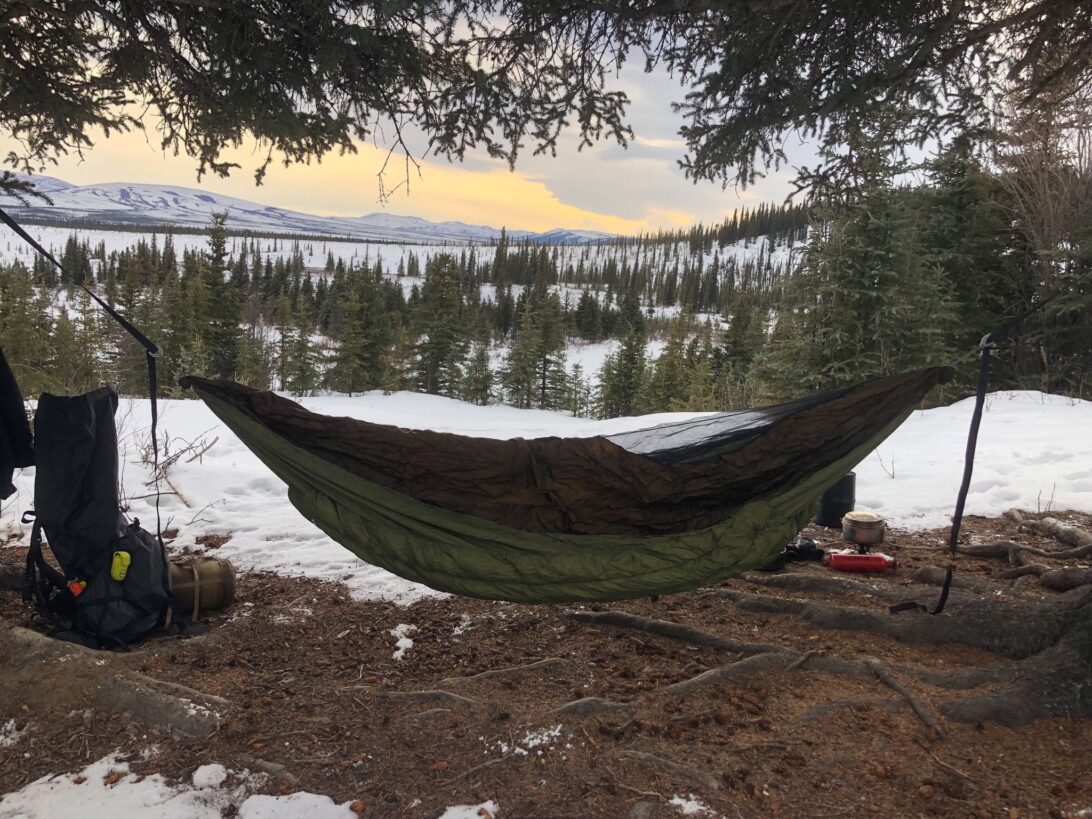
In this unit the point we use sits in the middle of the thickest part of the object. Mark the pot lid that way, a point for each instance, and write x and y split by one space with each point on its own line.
863 517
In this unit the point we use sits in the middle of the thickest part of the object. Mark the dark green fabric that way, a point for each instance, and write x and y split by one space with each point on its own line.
466 555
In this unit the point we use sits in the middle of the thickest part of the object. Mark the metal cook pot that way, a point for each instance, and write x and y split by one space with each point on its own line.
863 528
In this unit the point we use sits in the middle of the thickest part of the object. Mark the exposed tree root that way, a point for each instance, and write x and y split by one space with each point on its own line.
105 679
1053 640
541 665
1050 642
1032 569
885 676
443 699
1066 579
674 631
1050 577
826 708
964 680
768 658
1073 536
787 660
1009 628
821 584
592 707
701 778
1002 548
1079 541
935 576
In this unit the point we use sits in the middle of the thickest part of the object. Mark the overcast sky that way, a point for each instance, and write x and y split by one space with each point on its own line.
604 187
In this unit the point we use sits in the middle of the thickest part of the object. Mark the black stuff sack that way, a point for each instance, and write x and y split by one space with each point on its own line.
16 444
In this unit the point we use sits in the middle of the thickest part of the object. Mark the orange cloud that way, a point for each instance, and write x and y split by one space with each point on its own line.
348 186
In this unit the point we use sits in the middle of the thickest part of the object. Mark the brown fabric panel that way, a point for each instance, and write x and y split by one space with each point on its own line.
585 485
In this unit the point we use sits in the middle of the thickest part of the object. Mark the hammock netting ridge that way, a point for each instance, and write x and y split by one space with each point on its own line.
653 511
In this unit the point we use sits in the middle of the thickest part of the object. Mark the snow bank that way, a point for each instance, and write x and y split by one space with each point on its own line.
1035 452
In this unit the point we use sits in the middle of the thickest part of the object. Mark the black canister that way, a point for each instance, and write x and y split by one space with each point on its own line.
837 501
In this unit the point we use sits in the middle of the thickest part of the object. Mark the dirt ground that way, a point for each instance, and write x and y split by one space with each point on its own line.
307 673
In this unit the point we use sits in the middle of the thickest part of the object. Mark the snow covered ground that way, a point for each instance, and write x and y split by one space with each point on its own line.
106 789
1035 452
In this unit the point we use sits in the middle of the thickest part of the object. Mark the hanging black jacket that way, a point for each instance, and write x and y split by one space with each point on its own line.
16 444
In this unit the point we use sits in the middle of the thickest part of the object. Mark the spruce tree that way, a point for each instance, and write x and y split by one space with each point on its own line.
443 345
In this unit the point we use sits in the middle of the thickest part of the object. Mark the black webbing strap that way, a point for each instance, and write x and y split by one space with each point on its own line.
984 347
964 486
41 582
151 351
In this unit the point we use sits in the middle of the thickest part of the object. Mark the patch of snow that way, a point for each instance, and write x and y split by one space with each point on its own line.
88 794
690 805
209 776
464 623
9 734
403 642
536 740
541 739
486 810
293 806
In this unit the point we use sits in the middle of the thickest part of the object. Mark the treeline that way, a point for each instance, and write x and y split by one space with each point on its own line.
275 323
785 224
892 278
897 277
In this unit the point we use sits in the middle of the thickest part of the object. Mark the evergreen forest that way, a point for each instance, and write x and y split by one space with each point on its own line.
911 271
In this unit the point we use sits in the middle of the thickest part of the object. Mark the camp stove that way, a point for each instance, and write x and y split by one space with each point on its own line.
864 530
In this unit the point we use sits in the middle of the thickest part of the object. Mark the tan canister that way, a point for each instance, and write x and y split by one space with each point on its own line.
202 584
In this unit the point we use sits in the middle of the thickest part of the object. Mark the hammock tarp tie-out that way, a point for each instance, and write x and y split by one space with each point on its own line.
654 511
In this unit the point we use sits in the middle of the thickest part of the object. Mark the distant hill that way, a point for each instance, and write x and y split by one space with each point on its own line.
141 205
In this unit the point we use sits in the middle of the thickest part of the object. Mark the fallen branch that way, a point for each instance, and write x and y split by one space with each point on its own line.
206 448
487 764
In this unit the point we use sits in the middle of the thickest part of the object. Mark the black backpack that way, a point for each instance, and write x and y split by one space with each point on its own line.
114 583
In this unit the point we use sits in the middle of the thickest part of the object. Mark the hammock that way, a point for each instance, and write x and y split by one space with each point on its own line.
655 511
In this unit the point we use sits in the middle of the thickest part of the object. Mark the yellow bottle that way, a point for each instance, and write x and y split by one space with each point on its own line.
119 566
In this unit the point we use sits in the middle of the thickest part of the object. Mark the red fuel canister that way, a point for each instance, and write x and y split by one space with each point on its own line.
854 562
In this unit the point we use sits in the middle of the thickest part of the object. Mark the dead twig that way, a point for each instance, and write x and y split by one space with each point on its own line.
487 764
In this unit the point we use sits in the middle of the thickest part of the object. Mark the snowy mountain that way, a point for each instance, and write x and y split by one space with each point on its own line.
143 205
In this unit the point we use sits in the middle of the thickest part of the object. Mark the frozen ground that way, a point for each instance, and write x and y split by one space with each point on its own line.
1035 453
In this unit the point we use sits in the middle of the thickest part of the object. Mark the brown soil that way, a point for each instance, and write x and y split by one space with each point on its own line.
306 670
